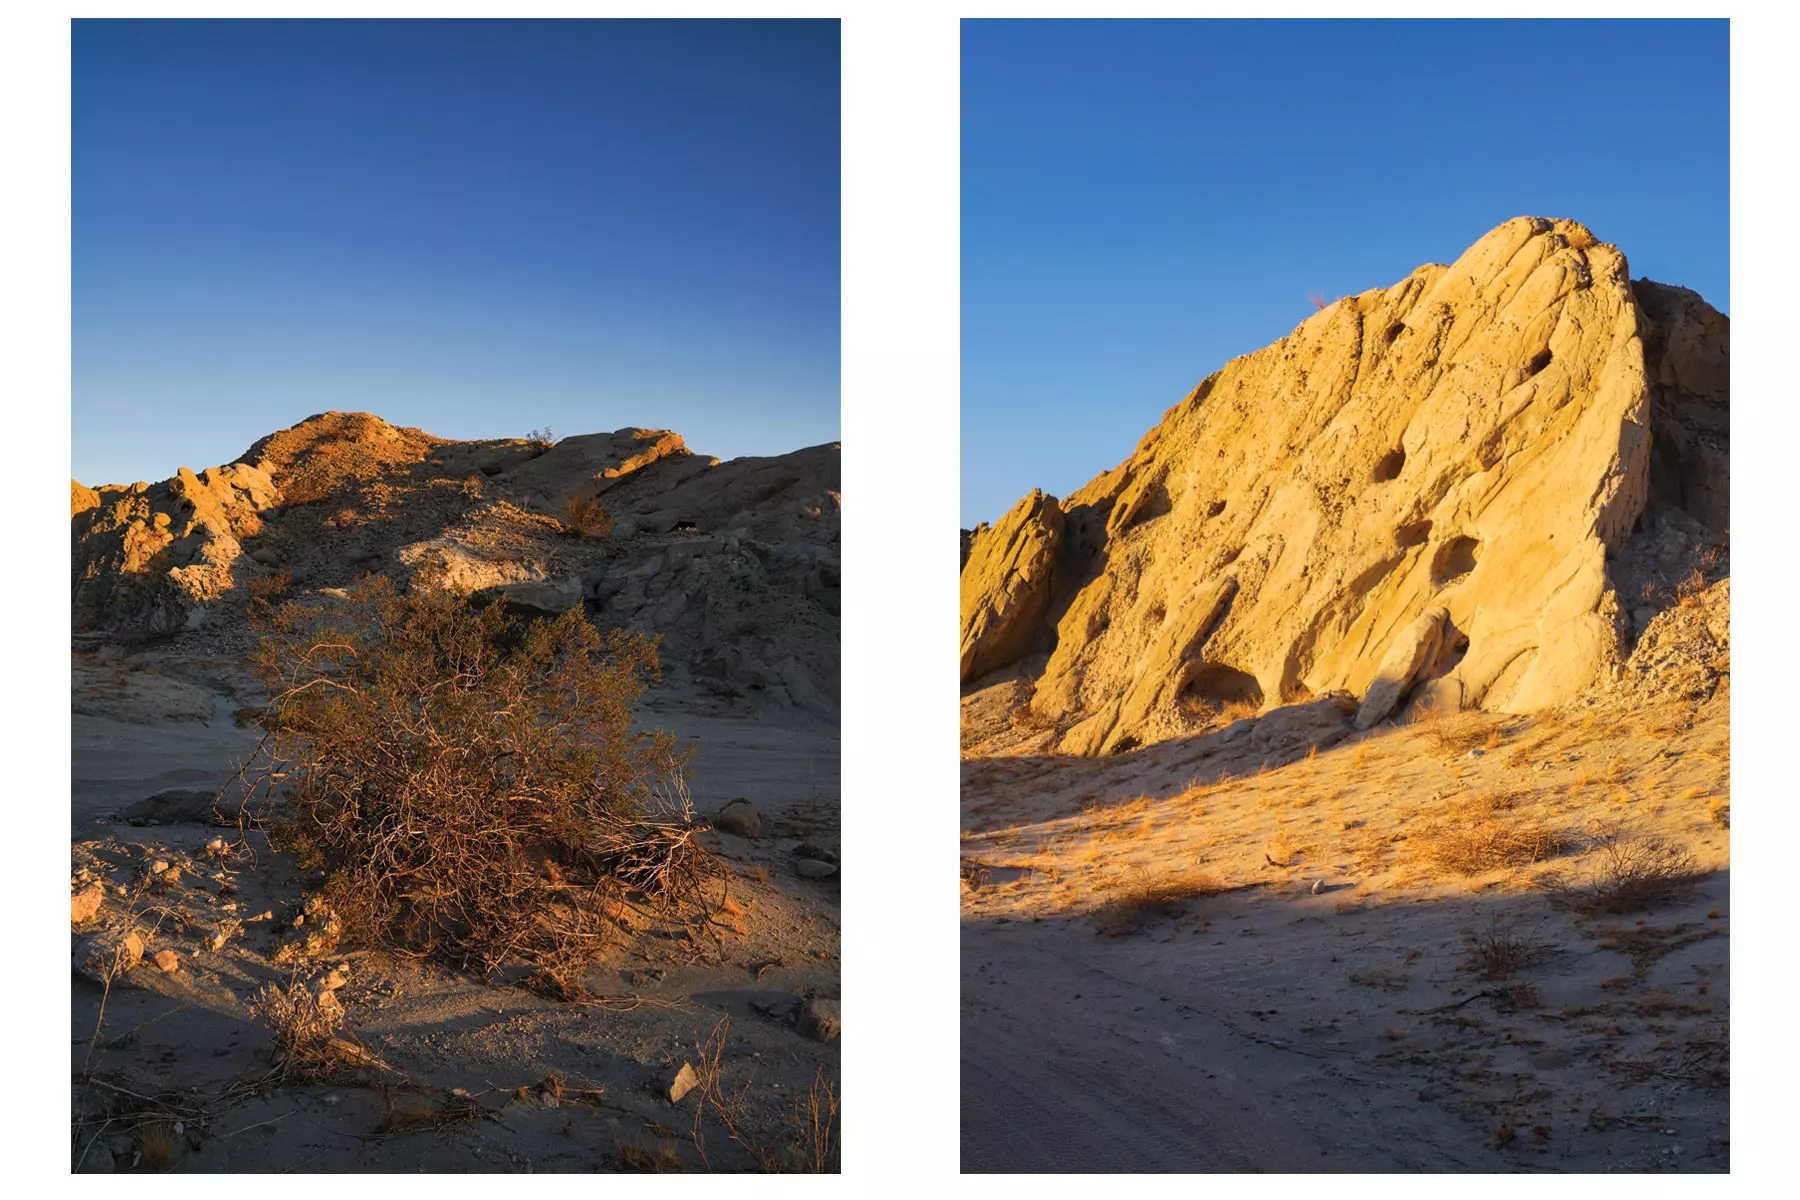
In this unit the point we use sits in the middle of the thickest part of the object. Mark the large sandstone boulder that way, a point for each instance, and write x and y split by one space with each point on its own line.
1006 584
1417 488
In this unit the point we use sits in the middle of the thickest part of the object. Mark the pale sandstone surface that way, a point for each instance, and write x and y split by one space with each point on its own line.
1475 441
1006 584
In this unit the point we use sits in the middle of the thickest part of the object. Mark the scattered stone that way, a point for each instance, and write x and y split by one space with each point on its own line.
686 1080
813 868
216 941
168 962
322 928
85 904
820 1020
739 817
102 957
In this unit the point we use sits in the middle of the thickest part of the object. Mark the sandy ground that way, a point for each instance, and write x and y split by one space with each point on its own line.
1308 992
468 1090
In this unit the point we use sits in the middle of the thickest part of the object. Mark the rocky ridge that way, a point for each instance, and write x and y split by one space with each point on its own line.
734 563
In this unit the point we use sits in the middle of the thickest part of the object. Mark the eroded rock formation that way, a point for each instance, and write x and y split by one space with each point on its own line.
734 564
1417 493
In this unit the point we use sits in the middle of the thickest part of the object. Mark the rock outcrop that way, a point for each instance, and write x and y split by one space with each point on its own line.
1006 584
735 564
1417 492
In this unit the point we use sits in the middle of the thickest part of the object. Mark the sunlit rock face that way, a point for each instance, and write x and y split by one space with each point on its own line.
1420 491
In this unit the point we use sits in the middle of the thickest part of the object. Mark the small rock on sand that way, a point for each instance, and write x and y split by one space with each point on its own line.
814 868
686 1080
101 956
168 962
739 817
85 904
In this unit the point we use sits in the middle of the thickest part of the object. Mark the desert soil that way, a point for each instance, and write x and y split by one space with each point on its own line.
1308 991
483 1077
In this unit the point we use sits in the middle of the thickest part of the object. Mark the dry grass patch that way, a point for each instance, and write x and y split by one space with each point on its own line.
1455 734
1141 897
1482 833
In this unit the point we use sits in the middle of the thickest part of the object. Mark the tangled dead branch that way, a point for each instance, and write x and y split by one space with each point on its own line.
471 784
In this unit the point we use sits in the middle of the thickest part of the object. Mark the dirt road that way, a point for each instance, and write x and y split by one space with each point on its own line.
1068 1065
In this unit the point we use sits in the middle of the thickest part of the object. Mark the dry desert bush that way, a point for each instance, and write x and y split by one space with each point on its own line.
586 517
1635 873
311 1045
1499 952
471 785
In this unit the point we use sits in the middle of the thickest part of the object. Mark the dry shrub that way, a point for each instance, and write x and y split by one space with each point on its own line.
1635 874
269 589
1144 897
470 784
816 1126
586 517
1482 833
311 1045
1498 952
808 1144
156 1143
638 1159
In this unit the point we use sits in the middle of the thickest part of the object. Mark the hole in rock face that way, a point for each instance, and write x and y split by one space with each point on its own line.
1415 534
1389 466
1220 686
1455 558
1538 362
1393 332
1215 508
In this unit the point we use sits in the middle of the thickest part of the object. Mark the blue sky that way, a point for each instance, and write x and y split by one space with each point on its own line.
1144 200
478 228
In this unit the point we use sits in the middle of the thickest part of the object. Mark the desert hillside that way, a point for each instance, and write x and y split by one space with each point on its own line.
230 1013
734 564
1346 779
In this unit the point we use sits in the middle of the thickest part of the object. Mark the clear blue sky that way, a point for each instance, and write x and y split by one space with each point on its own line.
1144 200
474 227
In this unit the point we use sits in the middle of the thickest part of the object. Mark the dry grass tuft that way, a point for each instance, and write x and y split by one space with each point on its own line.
638 1159
1482 833
1142 897
808 1143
